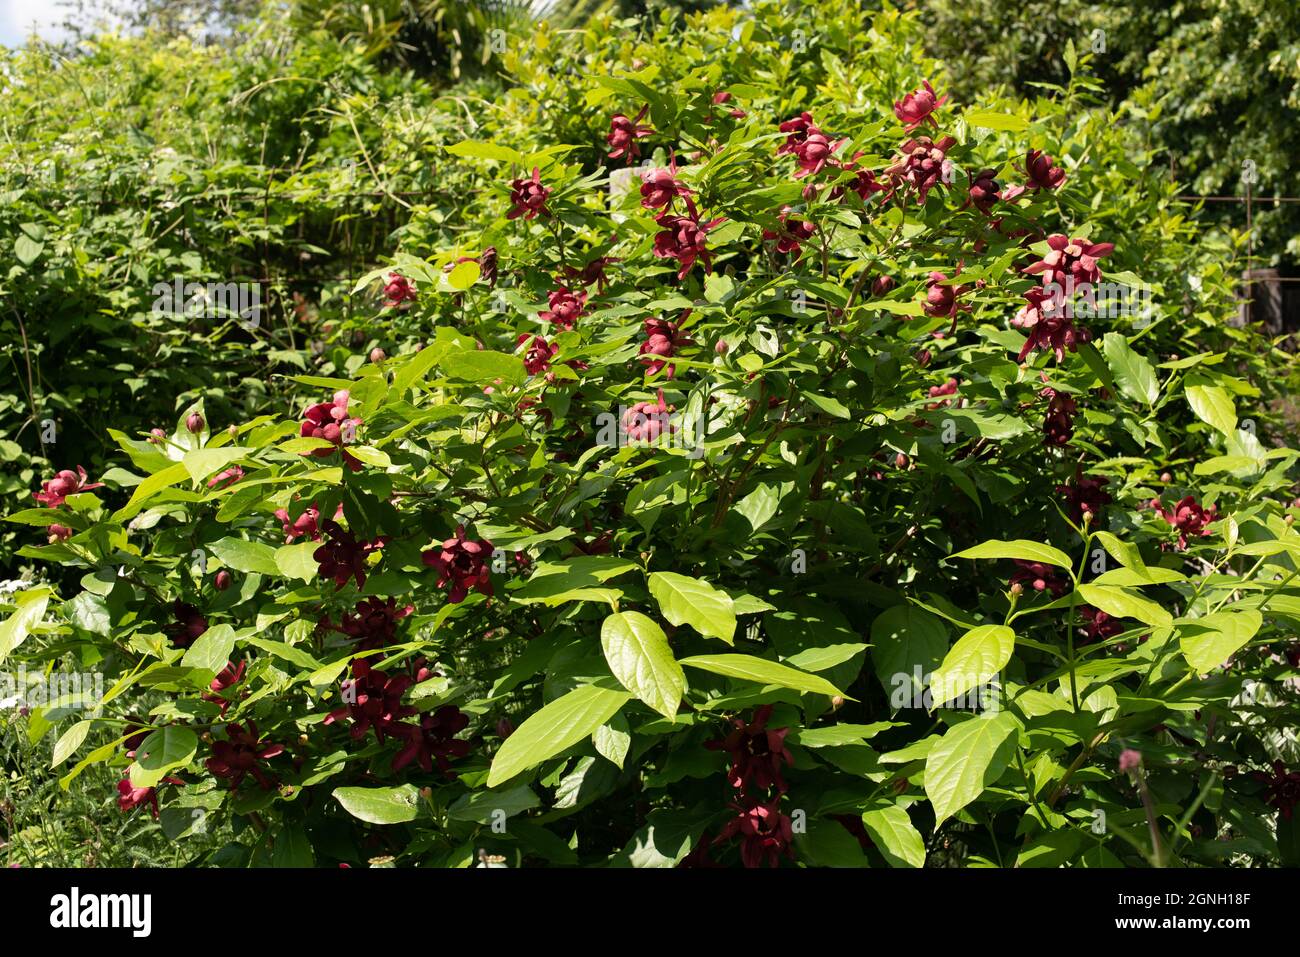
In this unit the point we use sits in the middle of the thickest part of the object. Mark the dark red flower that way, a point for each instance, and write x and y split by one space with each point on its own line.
528 197
659 187
1282 789
796 130
814 153
623 134
865 183
130 797
756 752
1188 517
57 533
433 740
343 557
663 339
464 563
1058 423
1048 323
765 834
537 357
227 677
983 192
790 237
1040 171
646 421
304 524
397 290
373 699
1071 263
374 623
1084 495
917 107
566 307
1097 625
684 238
65 483
922 165
1038 576
592 272
188 625
239 755
941 297
330 421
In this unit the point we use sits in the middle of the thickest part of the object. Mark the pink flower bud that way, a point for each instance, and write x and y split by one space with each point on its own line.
377 355
721 347
221 580
194 423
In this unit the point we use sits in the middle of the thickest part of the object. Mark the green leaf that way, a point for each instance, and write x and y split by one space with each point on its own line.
891 830
977 656
490 151
485 367
613 739
488 807
161 752
211 650
989 120
146 490
292 848
295 561
1208 642
758 506
246 556
1134 375
200 463
463 275
694 602
1125 553
69 741
1212 406
762 671
906 640
30 610
1124 604
1020 548
639 656
970 757
370 456
27 249
394 805
577 579
556 727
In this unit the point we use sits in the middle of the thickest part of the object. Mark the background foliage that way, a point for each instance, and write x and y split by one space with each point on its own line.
813 539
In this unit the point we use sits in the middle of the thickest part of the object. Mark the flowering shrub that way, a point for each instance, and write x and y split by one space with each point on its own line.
780 510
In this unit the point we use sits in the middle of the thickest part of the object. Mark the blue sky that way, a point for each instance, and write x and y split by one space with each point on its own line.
17 16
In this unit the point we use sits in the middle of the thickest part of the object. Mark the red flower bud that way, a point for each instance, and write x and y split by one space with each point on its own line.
194 423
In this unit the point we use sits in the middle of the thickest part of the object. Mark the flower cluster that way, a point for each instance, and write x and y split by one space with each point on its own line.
757 754
239 755
461 563
343 557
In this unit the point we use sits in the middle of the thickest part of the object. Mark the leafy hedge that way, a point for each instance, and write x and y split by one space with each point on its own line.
750 507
